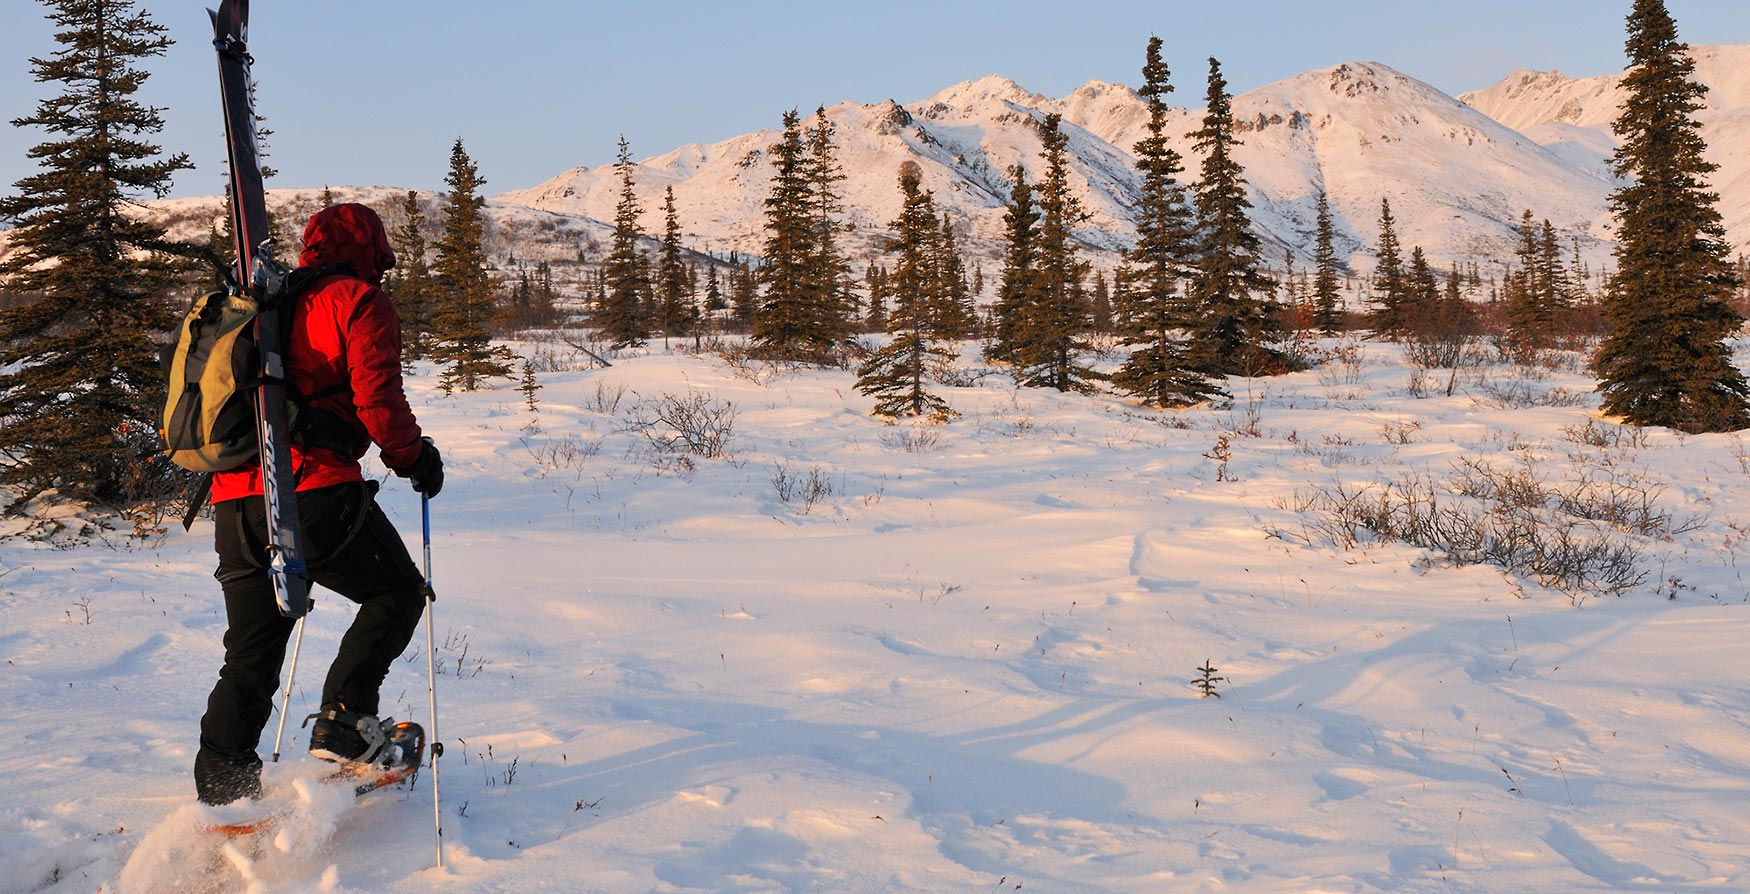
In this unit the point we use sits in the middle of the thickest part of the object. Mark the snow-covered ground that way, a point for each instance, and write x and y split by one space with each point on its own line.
963 667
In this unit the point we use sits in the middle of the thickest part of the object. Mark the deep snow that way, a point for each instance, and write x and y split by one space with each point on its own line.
964 668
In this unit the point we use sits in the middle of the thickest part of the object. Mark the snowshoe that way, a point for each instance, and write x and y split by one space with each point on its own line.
346 737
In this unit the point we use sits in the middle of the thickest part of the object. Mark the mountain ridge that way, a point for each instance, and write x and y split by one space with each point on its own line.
1573 116
1458 170
1458 178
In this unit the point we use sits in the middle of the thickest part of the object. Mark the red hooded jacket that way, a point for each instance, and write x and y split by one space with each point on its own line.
344 333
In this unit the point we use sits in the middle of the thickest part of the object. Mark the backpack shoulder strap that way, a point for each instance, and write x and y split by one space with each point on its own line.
297 284
312 425
301 280
197 498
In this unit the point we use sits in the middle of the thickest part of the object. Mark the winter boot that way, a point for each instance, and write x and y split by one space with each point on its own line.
346 737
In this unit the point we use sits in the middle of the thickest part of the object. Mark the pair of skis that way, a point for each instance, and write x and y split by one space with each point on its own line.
291 588
250 276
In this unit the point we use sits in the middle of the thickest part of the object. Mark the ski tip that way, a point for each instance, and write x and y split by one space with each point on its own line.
231 19
237 829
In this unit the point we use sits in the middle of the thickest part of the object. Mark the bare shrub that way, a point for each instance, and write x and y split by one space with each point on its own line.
1247 422
809 489
1741 453
1520 487
962 377
1626 502
592 349
1574 557
1339 368
546 351
1018 426
744 364
911 439
1164 421
1576 535
693 424
1400 432
1606 436
1419 386
1519 392
561 454
1451 353
1535 359
1442 351
1622 499
607 397
1332 450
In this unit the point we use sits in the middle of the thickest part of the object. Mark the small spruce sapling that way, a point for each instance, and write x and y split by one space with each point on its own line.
529 385
1206 679
1220 453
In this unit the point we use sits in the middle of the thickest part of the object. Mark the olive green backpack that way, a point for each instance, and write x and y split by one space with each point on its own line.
214 369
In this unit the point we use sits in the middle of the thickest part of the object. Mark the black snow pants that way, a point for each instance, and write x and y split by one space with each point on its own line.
350 547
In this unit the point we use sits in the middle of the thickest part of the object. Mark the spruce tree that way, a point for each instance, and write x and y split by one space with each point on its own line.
410 285
787 324
744 294
1390 313
1158 269
1665 360
1527 318
714 300
1327 308
462 291
1233 321
1456 314
1421 289
895 375
833 304
676 312
1051 334
622 317
1558 287
952 315
1100 304
876 321
546 298
80 389
1017 287
648 303
522 297
692 301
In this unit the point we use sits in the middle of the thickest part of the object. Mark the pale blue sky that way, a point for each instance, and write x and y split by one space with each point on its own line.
372 92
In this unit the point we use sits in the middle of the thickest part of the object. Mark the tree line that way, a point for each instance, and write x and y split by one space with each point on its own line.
91 287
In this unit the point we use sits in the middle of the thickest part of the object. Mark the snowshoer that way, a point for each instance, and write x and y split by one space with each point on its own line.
344 365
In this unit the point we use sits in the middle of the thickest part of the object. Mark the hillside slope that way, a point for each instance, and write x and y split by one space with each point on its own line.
1572 117
1361 131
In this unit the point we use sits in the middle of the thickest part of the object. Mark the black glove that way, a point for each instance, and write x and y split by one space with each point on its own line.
427 472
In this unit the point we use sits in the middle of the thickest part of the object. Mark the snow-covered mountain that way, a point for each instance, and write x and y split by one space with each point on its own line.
1457 179
512 230
1458 171
964 138
1572 117
516 236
